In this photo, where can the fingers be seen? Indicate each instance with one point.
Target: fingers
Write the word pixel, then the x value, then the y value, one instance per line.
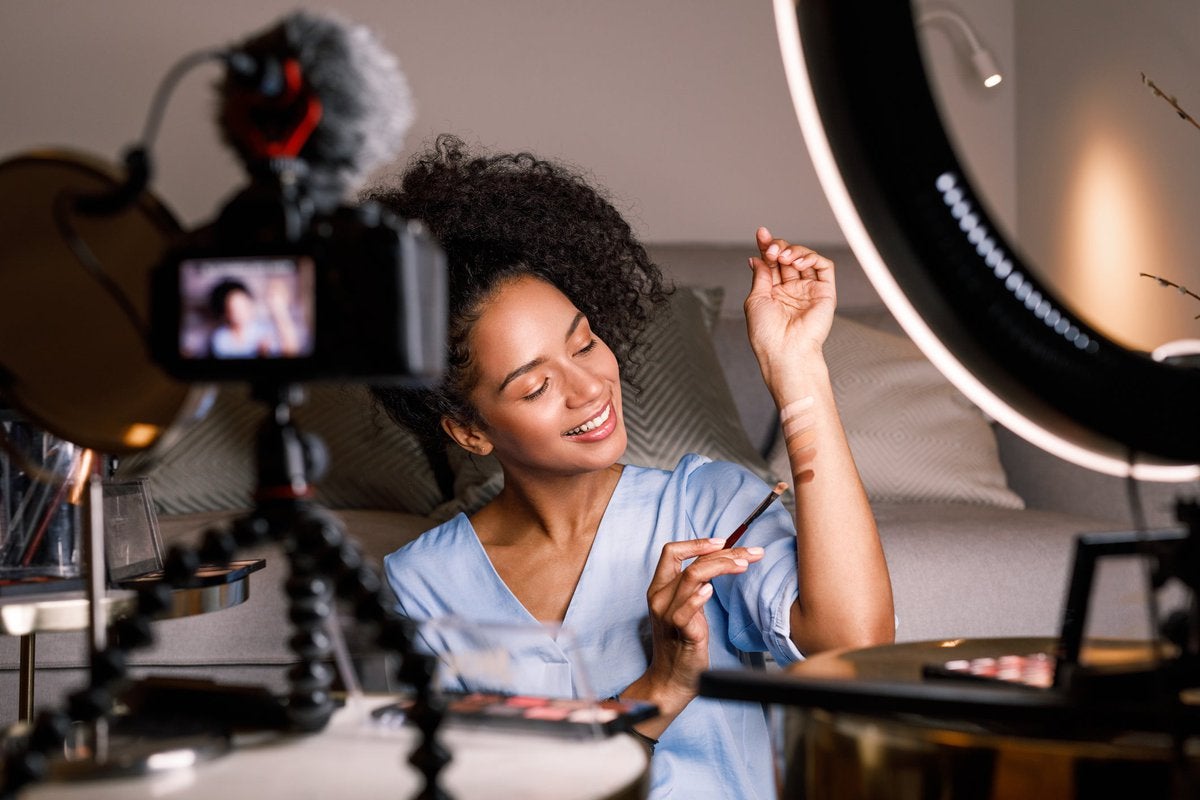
pixel 679 604
pixel 682 612
pixel 764 277
pixel 733 560
pixel 672 582
pixel 781 253
pixel 764 239
pixel 670 562
pixel 797 256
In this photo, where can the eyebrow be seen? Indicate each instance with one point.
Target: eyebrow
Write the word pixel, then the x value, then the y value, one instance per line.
pixel 526 367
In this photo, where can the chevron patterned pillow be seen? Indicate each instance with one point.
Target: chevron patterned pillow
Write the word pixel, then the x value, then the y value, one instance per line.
pixel 684 406
pixel 373 463
pixel 914 437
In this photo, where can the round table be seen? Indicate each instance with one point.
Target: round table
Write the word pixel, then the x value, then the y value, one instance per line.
pixel 355 757
pixel 26 616
pixel 865 724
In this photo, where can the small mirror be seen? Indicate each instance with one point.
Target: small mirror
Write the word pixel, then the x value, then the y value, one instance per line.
pixel 72 358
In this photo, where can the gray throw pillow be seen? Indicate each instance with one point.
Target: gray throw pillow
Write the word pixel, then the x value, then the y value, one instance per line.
pixel 915 438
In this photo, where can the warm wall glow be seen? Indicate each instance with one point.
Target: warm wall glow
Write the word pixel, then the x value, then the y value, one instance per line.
pixel 141 434
pixel 1110 234
pixel 1107 173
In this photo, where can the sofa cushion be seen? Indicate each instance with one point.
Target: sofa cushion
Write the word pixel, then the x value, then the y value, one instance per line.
pixel 684 405
pixel 966 571
pixel 914 436
pixel 373 463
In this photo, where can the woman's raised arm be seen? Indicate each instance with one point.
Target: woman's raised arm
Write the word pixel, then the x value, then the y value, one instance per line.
pixel 845 591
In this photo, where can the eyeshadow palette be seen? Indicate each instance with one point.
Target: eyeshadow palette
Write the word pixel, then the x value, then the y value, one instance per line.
pixel 1035 670
pixel 560 716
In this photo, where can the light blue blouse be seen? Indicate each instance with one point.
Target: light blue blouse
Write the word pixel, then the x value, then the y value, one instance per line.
pixel 715 748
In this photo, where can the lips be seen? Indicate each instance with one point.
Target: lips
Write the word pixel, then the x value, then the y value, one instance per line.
pixel 593 423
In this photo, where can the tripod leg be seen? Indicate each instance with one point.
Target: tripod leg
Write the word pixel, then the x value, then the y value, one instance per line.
pixel 309 704
pixel 358 583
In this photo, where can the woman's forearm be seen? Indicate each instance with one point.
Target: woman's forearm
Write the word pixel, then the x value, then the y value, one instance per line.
pixel 671 703
pixel 845 591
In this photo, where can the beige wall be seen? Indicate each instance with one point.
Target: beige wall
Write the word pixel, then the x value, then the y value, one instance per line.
pixel 1109 175
pixel 678 107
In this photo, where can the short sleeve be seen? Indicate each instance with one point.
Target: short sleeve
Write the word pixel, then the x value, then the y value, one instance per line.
pixel 757 602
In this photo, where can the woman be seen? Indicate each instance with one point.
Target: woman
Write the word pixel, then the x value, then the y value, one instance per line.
pixel 246 330
pixel 550 292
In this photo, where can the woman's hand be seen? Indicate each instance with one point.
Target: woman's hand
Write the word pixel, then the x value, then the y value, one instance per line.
pixel 791 302
pixel 278 302
pixel 679 629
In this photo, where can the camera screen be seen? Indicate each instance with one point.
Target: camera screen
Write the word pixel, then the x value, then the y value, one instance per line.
pixel 246 308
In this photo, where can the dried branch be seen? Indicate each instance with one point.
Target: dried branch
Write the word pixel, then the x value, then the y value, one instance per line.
pixel 1170 98
pixel 1173 285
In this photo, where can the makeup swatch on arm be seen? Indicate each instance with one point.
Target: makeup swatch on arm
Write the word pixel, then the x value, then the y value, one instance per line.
pixel 799 433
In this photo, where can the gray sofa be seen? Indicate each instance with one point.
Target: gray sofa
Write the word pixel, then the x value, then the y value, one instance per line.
pixel 978 526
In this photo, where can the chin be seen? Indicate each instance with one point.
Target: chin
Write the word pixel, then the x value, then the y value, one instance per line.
pixel 602 455
pixel 619 448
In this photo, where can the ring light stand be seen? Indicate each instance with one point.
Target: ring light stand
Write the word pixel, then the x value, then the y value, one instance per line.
pixel 965 295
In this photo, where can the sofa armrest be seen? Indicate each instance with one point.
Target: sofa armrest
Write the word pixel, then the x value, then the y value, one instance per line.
pixel 1049 483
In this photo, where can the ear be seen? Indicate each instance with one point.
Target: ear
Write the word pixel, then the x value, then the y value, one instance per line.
pixel 469 437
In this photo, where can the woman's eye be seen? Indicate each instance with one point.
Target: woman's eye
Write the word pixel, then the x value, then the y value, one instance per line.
pixel 541 390
pixel 587 348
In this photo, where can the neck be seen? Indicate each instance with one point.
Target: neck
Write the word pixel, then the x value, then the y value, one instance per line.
pixel 559 508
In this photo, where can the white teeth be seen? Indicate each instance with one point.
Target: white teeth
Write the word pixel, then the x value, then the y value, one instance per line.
pixel 592 424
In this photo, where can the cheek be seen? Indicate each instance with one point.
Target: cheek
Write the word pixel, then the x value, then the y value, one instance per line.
pixel 510 424
pixel 610 367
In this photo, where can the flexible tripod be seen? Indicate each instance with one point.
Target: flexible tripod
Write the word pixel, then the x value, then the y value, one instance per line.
pixel 325 565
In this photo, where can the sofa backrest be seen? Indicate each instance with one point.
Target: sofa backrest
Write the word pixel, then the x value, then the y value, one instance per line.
pixel 725 266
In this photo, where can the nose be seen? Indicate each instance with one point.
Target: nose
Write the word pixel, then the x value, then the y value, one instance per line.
pixel 583 386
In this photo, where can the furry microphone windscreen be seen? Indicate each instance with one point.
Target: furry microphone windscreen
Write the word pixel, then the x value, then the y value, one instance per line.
pixel 366 106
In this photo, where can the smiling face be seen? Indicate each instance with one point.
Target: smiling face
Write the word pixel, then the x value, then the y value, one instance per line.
pixel 548 391
pixel 239 309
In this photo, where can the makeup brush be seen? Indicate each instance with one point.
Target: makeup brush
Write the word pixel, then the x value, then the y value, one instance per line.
pixel 779 489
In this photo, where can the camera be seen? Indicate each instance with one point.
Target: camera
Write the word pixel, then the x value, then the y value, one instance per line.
pixel 359 295
pixel 290 282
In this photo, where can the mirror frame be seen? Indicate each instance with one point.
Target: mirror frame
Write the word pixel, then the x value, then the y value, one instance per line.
pixel 956 285
pixel 85 376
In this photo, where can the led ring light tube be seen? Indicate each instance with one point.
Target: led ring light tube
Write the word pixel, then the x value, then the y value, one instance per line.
pixel 1009 396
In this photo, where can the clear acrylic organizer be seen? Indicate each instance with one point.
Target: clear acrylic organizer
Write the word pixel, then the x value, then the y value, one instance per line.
pixel 42 481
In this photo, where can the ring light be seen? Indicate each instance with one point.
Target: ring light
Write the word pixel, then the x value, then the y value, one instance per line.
pixel 953 281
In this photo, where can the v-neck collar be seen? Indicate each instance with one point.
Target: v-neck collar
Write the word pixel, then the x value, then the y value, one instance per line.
pixel 504 594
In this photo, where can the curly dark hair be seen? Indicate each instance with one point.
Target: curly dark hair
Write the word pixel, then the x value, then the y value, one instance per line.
pixel 218 297
pixel 504 215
